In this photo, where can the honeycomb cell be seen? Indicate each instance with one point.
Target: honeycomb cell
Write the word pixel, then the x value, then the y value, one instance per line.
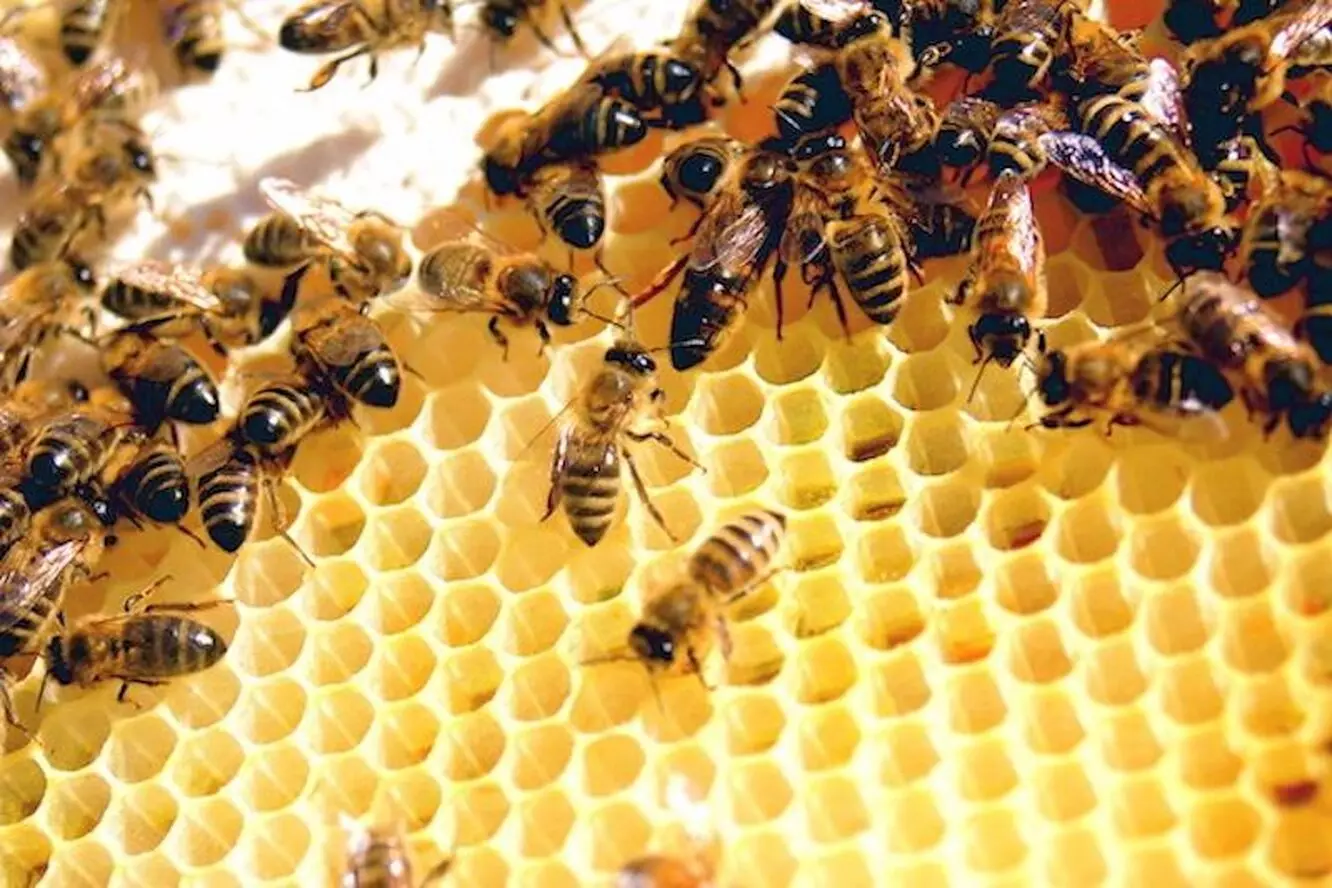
pixel 332 526
pixel 1297 846
pixel 85 862
pixel 74 806
pixel 754 724
pixel 404 736
pixel 870 429
pixel 974 702
pixel 392 472
pixel 726 404
pixel 756 792
pixel 993 842
pixel 1115 300
pixel 806 480
pixel 952 571
pixel 855 367
pixel 269 574
pixel 539 688
pixel 402 668
pixel 1075 858
pixel 271 710
pixel 1251 640
pixel 470 747
pixel 1227 492
pixel 398 603
pixel 936 446
pixel 889 618
pixel 914 822
pixel 545 820
pixel 1050 723
pixel 925 381
pixel 138 748
pixel 22 786
pixel 337 653
pixel 468 611
pixel 27 855
pixel 1006 458
pixel 1074 468
pixel 471 679
pixel 141 818
pixel 456 416
pixel 795 418
pixel 735 468
pixel 834 808
pixel 206 831
pixel 1087 532
pixel 1299 511
pixel 274 850
pixel 1097 603
pixel 399 538
pixel 982 771
pixel 898 685
pixel 845 866
pixel 1150 478
pixel 460 484
pixel 1162 547
pixel 338 719
pixel 1036 653
pixel 1113 674
pixel 347 784
pixel 272 778
pixel 325 462
pixel 1239 565
pixel 463 549
pixel 1222 828
pixel 884 554
pixel 610 764
pixel 205 762
pixel 335 588
pixel 1175 622
pixel 1024 584
pixel 267 643
pixel 616 832
pixel 1128 742
pixel 946 509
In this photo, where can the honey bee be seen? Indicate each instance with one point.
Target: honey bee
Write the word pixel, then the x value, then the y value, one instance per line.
pixel 1122 375
pixel 332 339
pixel 870 251
pixel 1245 69
pixel 1316 118
pixel 712 29
pixel 193 30
pixel 364 251
pixel 279 415
pixel 115 167
pixel 357 28
pixel 231 306
pixel 697 866
pixel 1098 58
pixel 24 411
pixel 162 380
pixel 1021 138
pixel 156 485
pixel 873 68
pixel 41 303
pixel 695 170
pixel 1230 327
pixel 145 645
pixel 1276 252
pixel 962 140
pixel 581 122
pixel 1237 166
pixel 622 402
pixel 501 19
pixel 959 32
pixel 471 272
pixel 112 91
pixel 1005 283
pixel 1189 21
pixel 568 199
pixel 75 447
pixel 680 621
pixel 378 859
pixel 654 81
pixel 1026 34
pixel 85 25
pixel 813 101
pixel 940 226
pixel 804 25
pixel 229 477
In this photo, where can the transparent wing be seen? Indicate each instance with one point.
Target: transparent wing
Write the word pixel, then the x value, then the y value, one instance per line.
pixel 29 579
pixel 324 218
pixel 836 11
pixel 1301 25
pixel 1163 99
pixel 178 282
pixel 455 224
pixel 730 236
pixel 1083 158
pixel 22 78
pixel 1011 197
pixel 803 241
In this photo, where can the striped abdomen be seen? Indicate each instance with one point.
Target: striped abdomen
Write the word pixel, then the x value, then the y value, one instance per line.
pixel 1023 48
pixel 159 646
pixel 1274 250
pixel 279 415
pixel 568 199
pixel 1180 382
pixel 1130 137
pixel 71 450
pixel 229 499
pixel 26 620
pixel 813 101
pixel 83 25
pixel 193 28
pixel 158 486
pixel 15 518
pixel 868 253
pixel 739 554
pixel 593 128
pixel 278 241
pixel 589 485
pixel 133 303
pixel 163 381
pixel 451 271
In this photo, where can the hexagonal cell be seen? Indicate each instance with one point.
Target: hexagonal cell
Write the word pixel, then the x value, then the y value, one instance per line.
pixel 1128 742
pixel 1227 492
pixel 884 554
pixel 1150 478
pixel 829 737
pixel 1162 547
pixel 974 702
pixel 545 820
pixel 781 362
pixel 1098 605
pixel 908 754
pixel 888 619
pixel 1223 828
pixel 753 724
pixel 1074 465
pixel 29 858
pixel 138 748
pixel 807 479
pixel 1015 519
pixel 337 653
pixel 466 613
pixel 460 484
pixel 1074 857
pixel 926 381
pixel 1191 691
pixel 756 792
pixel 141 818
pixel 1252 641
pixel 824 671
pixel 324 462
pixel 1006 457
pixel 1087 532
pixel 854 367
pixel 271 710
pixel 392 472
pixel 398 603
pixel 267 573
pixel 726 404
pixel 470 679
pixel 335 588
pixel 1113 675
pixel 531 556
pixel 456 416
pixel 274 849
pixel 534 623
pixel 538 687
pixel 1175 622
pixel 963 631
pixel 982 770
pixel 398 538
pixel 1036 653
pixel 610 764
pixel 914 822
pixel 898 685
pixel 735 468
pixel 413 799
pixel 815 605
pixel 464 549
pixel 1049 723
pixel 834 808
pixel 404 735
pixel 338 719
pixel 470 747
pixel 332 526
pixel 1239 565
pixel 946 509
pixel 541 754
pixel 346 783
pixel 402 668
pixel 993 842
pixel 22 786
pixel 1140 809
pixel 205 762
pixel 267 642
pixel 1299 511
pixel 86 862
pixel 762 855
pixel 936 445
pixel 1025 584
pixel 73 807
pixel 796 417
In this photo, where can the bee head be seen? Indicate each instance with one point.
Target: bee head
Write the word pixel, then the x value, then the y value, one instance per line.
pixel 100 507
pixel 632 358
pixel 1003 335
pixel 563 293
pixel 958 147
pixel 682 79
pixel 73 521
pixel 862 26
pixel 653 646
pixel 59 663
pixel 501 178
pixel 1201 251
pixel 1054 387
pixel 500 18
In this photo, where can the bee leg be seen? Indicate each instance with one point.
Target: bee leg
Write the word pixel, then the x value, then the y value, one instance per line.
pixel 736 80
pixel 192 535
pixel 778 276
pixel 187 607
pixel 543 332
pixel 688 235
pixel 437 872
pixel 724 640
pixel 665 441
pixel 280 522
pixel 134 603
pixel 663 281
pixel 697 668
pixel 7 705
pixel 573 31
pixel 1121 419
pixel 498 335
pixel 123 695
pixel 648 504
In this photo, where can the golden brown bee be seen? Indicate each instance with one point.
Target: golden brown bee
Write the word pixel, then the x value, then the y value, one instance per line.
pixel 568 199
pixel 1026 33
pixel 1277 374
pixel 681 620
pixel 471 272
pixel 364 251
pixel 22 413
pixel 1098 58
pixel 162 380
pixel 113 91
pixel 695 170
pixel 734 241
pixel 378 859
pixel 1122 376
pixel 1005 284
pixel 193 30
pixel 960 143
pixel 113 169
pixel 1020 137
pixel 1245 69
pixel 230 305
pixel 873 68
pixel 501 19
pixel 668 90
pixel 872 254
pixel 74 447
pixel 85 26
pixel 622 402
pixel 357 28
pixel 1237 167
pixel 812 101
pixel 229 478
pixel 146 645
pixel 41 303
pixel 1279 240
pixel 333 339
pixel 23 79
pixel 713 28
pixel 581 122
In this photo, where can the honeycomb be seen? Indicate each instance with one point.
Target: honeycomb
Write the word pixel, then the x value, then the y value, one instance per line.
pixel 998 656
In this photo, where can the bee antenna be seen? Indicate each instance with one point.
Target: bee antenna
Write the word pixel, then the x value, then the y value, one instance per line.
pixel 1022 408
pixel 1179 282
pixel 979 373
pixel 596 316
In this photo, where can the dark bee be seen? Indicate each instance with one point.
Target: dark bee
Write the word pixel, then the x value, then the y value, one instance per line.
pixel 501 19
pixel 22 413
pixel 1276 254
pixel 1025 36
pixel 42 303
pixel 278 240
pixel 695 170
pixel 666 89
pixel 333 339
pixel 712 29
pixel 156 485
pixel 1238 165
pixel 958 32
pixel 193 30
pixel 803 25
pixel 870 251
pixel 357 28
pixel 1019 141
pixel 1097 58
pixel 569 200
pixel 961 142
pixel 73 448
pixel 279 415
pixel 161 379
pixel 146 645
pixel 229 478
pixel 581 122
pixel 813 101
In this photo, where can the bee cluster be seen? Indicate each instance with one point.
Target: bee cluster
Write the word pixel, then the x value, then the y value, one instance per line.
pixel 869 169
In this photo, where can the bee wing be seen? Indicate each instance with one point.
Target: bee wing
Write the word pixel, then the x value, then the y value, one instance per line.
pixel 1083 158
pixel 1012 196
pixel 836 11
pixel 22 79
pixel 453 224
pixel 803 241
pixel 1299 26
pixel 180 283
pixel 324 218
pixel 352 341
pixel 1163 99
pixel 29 579
pixel 728 236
